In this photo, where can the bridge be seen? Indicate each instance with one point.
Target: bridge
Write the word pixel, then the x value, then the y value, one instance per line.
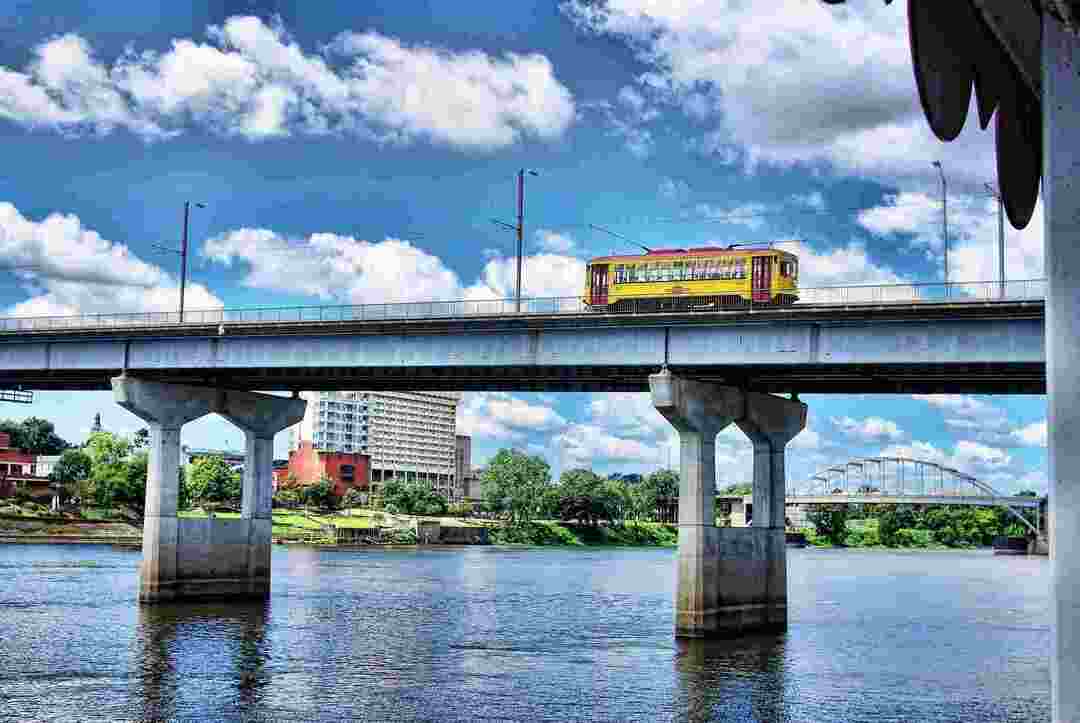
pixel 705 369
pixel 933 338
pixel 904 481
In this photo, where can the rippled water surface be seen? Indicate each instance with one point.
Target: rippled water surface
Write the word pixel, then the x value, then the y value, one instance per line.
pixel 539 634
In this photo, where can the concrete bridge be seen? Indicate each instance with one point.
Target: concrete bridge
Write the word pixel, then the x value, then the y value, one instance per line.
pixel 705 371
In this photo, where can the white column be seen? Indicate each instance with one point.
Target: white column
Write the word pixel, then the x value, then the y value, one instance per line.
pixel 1061 199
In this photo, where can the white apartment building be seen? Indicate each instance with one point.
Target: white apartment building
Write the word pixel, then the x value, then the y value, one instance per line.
pixel 409 434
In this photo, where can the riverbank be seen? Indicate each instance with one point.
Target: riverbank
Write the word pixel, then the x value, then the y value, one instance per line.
pixel 347 528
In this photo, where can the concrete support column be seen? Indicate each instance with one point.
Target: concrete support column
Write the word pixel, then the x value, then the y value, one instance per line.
pixel 165 410
pixel 730 580
pixel 1061 199
pixel 770 422
pixel 261 416
pixel 193 558
pixel 703 605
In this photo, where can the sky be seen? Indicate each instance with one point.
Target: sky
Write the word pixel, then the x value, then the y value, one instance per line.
pixel 357 152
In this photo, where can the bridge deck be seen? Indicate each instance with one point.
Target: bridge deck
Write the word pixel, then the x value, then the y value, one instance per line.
pixel 946 347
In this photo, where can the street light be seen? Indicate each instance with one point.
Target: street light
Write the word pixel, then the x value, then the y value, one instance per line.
pixel 944 220
pixel 1001 236
pixel 183 255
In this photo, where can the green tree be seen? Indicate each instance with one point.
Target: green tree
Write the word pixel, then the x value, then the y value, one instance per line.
pixel 742 489
pixel 39 437
pixel 213 481
pixel 891 521
pixel 830 523
pixel 320 494
pixel 109 473
pixel 412 498
pixel 14 432
pixel 74 465
pixel 141 439
pixel 514 483
pixel 287 496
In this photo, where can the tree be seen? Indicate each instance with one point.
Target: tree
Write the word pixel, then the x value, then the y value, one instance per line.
pixel 14 432
pixel 287 496
pixel 141 439
pixel 212 480
pixel 320 494
pixel 412 498
pixel 113 481
pixel 742 489
pixel 354 498
pixel 73 466
pixel 830 523
pixel 514 482
pixel 39 437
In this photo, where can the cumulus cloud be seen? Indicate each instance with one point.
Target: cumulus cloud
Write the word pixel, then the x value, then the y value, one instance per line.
pixel 962 405
pixel 1033 435
pixel 973 234
pixel 868 430
pixel 330 266
pixel 790 82
pixel 504 417
pixel 67 269
pixel 556 243
pixel 846 265
pixel 589 444
pixel 545 275
pixel 252 80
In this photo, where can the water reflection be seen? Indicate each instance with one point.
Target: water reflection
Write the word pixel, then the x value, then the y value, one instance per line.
pixel 731 680
pixel 179 642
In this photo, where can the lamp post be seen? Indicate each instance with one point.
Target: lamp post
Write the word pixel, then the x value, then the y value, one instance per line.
pixel 1001 237
pixel 944 220
pixel 183 255
pixel 520 233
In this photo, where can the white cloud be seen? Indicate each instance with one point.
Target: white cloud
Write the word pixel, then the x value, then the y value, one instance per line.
pixel 749 214
pixel 814 200
pixel 501 416
pixel 973 234
pixel 253 81
pixel 869 430
pixel 629 414
pixel 791 82
pixel 329 266
pixel 838 266
pixel 546 275
pixel 960 404
pixel 673 189
pixel 556 243
pixel 1033 435
pixel 69 269
pixel 590 445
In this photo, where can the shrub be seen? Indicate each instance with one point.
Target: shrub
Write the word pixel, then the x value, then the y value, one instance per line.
pixel 906 537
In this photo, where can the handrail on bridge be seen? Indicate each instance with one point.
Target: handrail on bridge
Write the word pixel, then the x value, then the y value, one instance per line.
pixel 881 294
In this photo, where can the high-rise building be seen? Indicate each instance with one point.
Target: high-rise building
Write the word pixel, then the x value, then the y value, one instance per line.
pixel 462 463
pixel 405 434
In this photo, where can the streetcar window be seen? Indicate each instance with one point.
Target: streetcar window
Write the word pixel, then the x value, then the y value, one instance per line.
pixel 619 271
pixel 635 271
pixel 740 269
pixel 694 270
pixel 680 271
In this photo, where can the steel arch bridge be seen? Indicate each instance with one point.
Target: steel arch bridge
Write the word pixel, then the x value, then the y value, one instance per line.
pixel 904 480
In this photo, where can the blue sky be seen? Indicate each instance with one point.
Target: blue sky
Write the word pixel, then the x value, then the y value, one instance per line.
pixel 355 155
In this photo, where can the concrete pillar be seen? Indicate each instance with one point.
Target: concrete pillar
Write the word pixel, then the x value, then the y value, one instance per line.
pixel 165 410
pixel 730 580
pixel 261 416
pixel 1061 199
pixel 193 558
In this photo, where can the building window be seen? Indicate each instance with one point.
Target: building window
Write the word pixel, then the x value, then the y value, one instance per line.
pixel 348 473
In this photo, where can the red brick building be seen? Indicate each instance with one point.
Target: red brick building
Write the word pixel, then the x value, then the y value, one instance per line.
pixel 16 467
pixel 347 470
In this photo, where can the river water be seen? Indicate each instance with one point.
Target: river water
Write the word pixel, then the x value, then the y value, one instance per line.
pixel 486 633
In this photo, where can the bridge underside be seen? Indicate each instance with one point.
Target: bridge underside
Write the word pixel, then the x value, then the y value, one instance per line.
pixel 981 378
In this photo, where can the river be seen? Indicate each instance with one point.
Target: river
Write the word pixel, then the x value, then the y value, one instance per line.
pixel 487 633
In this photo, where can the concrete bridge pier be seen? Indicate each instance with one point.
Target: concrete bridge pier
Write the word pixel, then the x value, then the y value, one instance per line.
pixel 199 558
pixel 730 580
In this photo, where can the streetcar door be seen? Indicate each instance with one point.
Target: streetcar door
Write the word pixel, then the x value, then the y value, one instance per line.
pixel 599 284
pixel 761 278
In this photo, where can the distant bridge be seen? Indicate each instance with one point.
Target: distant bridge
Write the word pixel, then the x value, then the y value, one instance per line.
pixel 906 481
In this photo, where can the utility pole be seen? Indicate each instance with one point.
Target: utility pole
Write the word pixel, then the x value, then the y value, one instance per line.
pixel 944 219
pixel 1001 237
pixel 183 255
pixel 519 230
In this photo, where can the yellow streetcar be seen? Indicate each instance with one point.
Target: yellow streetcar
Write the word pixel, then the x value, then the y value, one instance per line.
pixel 712 277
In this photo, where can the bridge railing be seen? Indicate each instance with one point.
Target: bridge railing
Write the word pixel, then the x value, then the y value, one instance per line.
pixel 898 294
